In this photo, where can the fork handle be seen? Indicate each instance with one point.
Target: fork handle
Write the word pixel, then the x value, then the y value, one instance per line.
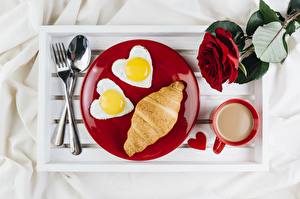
pixel 60 133
pixel 74 140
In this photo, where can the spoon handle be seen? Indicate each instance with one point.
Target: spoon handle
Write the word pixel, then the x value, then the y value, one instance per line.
pixel 60 133
pixel 74 139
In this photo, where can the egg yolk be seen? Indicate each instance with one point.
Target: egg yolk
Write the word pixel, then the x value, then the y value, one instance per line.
pixel 112 102
pixel 137 69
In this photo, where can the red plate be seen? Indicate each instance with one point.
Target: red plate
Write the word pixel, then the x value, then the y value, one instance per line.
pixel 168 66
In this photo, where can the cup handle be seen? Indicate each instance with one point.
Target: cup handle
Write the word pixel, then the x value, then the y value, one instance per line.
pixel 218 146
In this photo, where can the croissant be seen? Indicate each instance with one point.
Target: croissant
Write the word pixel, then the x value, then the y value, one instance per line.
pixel 154 117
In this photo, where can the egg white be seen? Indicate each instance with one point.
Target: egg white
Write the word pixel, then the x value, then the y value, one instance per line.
pixel 95 108
pixel 118 67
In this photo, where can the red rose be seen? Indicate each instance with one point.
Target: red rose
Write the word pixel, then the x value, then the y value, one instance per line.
pixel 218 58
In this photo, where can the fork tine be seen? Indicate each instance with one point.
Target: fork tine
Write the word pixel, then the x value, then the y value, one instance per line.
pixel 64 52
pixel 54 54
pixel 59 56
pixel 61 52
pixel 63 56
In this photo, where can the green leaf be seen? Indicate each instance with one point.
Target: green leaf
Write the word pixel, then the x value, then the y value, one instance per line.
pixel 268 14
pixel 254 22
pixel 285 46
pixel 257 19
pixel 243 69
pixel 280 17
pixel 235 30
pixel 292 27
pixel 255 69
pixel 284 42
pixel 268 42
pixel 294 6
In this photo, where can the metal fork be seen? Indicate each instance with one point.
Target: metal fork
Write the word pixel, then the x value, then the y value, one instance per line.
pixel 64 72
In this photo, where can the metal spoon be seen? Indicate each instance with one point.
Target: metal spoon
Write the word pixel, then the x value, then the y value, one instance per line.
pixel 79 55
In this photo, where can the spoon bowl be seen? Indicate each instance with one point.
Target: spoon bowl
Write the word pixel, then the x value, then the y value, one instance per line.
pixel 79 53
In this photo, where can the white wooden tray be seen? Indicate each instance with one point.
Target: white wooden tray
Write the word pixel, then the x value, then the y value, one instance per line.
pixel 185 40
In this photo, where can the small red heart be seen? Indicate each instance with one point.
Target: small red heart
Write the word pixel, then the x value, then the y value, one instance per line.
pixel 199 142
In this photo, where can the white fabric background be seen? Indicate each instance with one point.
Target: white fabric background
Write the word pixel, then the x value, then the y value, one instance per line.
pixel 19 23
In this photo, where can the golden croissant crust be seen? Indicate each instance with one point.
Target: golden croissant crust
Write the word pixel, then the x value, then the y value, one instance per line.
pixel 154 117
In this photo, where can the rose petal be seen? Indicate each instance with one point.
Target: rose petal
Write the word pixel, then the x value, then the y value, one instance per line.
pixel 233 75
pixel 223 50
pixel 226 38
